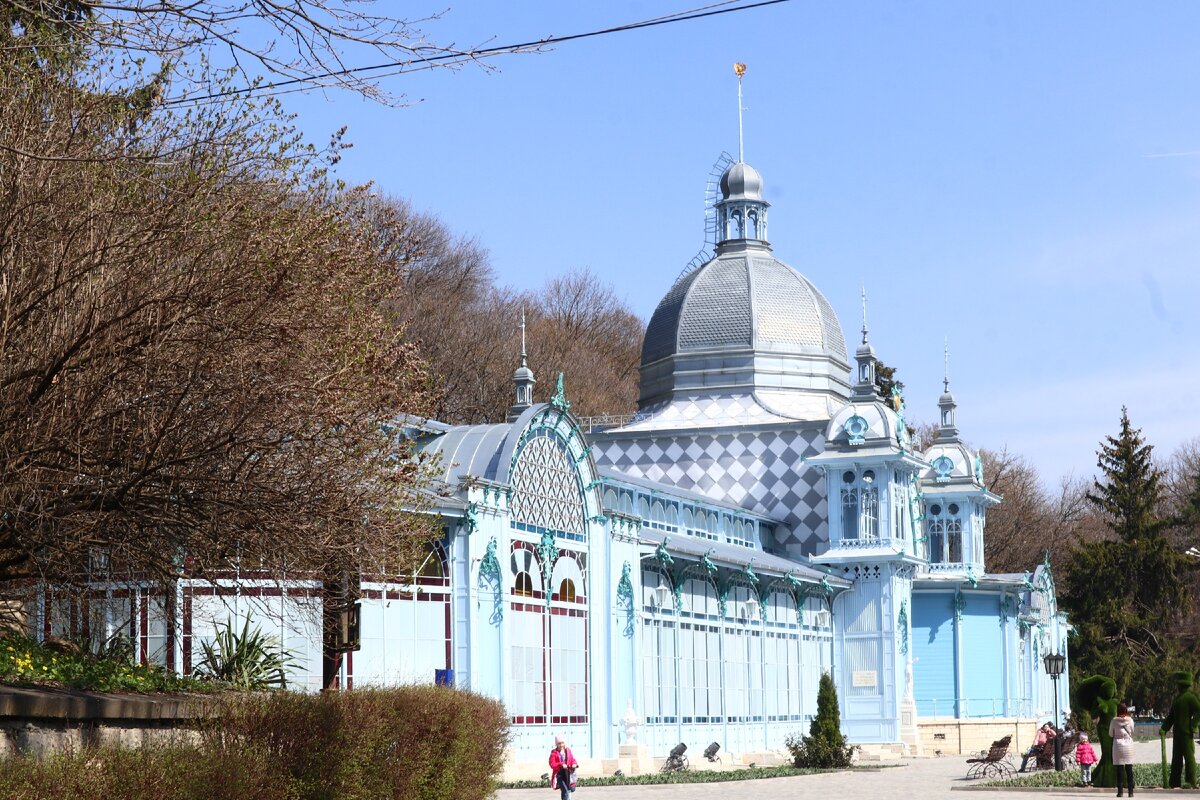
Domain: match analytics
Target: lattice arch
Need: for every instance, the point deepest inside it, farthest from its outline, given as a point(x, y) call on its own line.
point(547, 493)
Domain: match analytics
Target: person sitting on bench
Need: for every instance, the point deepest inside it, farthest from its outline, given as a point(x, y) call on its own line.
point(1045, 735)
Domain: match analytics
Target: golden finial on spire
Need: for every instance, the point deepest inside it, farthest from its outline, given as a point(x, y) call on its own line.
point(739, 69)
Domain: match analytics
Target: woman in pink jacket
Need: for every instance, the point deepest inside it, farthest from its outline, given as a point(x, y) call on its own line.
point(562, 768)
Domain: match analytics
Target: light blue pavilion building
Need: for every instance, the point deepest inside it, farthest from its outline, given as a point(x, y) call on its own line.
point(762, 519)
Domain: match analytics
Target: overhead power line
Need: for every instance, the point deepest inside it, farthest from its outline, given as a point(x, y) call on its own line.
point(448, 59)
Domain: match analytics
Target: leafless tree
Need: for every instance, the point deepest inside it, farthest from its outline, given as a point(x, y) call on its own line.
point(298, 42)
point(196, 350)
point(1031, 521)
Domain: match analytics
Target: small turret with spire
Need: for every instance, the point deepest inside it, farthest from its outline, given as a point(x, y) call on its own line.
point(865, 388)
point(948, 430)
point(741, 211)
point(523, 380)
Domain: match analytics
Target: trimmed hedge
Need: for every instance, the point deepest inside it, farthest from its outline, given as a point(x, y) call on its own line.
point(411, 743)
point(156, 773)
point(1144, 775)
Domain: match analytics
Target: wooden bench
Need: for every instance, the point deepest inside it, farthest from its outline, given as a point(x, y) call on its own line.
point(993, 763)
point(1045, 755)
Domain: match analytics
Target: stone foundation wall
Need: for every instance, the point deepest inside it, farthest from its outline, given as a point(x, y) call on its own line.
point(38, 722)
point(950, 736)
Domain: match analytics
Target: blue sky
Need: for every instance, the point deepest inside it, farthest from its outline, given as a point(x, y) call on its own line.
point(1020, 178)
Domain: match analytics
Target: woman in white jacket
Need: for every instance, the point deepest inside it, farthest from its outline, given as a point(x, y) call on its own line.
point(1121, 731)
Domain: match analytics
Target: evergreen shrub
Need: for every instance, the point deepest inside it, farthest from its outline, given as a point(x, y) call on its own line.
point(825, 747)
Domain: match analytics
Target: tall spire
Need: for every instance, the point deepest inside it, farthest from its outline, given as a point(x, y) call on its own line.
point(948, 430)
point(523, 380)
point(865, 388)
point(739, 69)
point(864, 307)
point(741, 212)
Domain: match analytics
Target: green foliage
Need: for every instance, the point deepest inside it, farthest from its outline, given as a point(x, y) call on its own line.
point(1147, 775)
point(246, 660)
point(1128, 491)
point(686, 776)
point(25, 660)
point(1122, 594)
point(1097, 695)
point(825, 747)
point(885, 379)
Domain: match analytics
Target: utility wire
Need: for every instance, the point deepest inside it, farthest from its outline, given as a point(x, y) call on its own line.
point(416, 64)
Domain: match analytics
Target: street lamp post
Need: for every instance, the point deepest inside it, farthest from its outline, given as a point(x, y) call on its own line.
point(1056, 663)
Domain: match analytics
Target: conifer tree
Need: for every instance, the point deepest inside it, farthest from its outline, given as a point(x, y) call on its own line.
point(1122, 594)
point(1128, 493)
point(825, 746)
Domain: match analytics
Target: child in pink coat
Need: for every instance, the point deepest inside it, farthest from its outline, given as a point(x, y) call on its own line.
point(562, 768)
point(1086, 757)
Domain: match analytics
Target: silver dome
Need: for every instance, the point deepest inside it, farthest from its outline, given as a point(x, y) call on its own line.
point(741, 182)
point(743, 321)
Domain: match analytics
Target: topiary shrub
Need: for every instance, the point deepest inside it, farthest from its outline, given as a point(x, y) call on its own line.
point(1098, 696)
point(825, 747)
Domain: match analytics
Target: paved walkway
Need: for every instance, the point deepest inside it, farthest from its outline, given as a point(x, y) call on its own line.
point(917, 778)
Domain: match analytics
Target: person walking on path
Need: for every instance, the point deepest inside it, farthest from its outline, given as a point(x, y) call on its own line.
point(1045, 734)
point(562, 768)
point(1085, 756)
point(1121, 731)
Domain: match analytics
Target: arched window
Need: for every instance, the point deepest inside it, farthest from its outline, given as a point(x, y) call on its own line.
point(566, 591)
point(849, 512)
point(937, 541)
point(432, 567)
point(547, 494)
point(954, 540)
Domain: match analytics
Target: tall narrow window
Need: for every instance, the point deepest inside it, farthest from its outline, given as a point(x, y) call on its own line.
point(849, 513)
point(937, 541)
point(869, 526)
point(954, 537)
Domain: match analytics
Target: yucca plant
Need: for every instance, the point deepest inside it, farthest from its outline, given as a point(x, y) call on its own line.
point(247, 660)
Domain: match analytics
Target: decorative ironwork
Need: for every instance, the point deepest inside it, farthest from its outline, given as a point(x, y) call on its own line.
point(750, 574)
point(546, 487)
point(660, 553)
point(902, 624)
point(960, 605)
point(489, 571)
point(1007, 608)
point(972, 578)
point(708, 564)
point(625, 598)
point(825, 585)
point(579, 459)
point(547, 550)
point(856, 429)
point(559, 399)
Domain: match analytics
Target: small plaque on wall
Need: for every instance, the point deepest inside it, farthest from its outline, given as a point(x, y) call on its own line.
point(864, 678)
